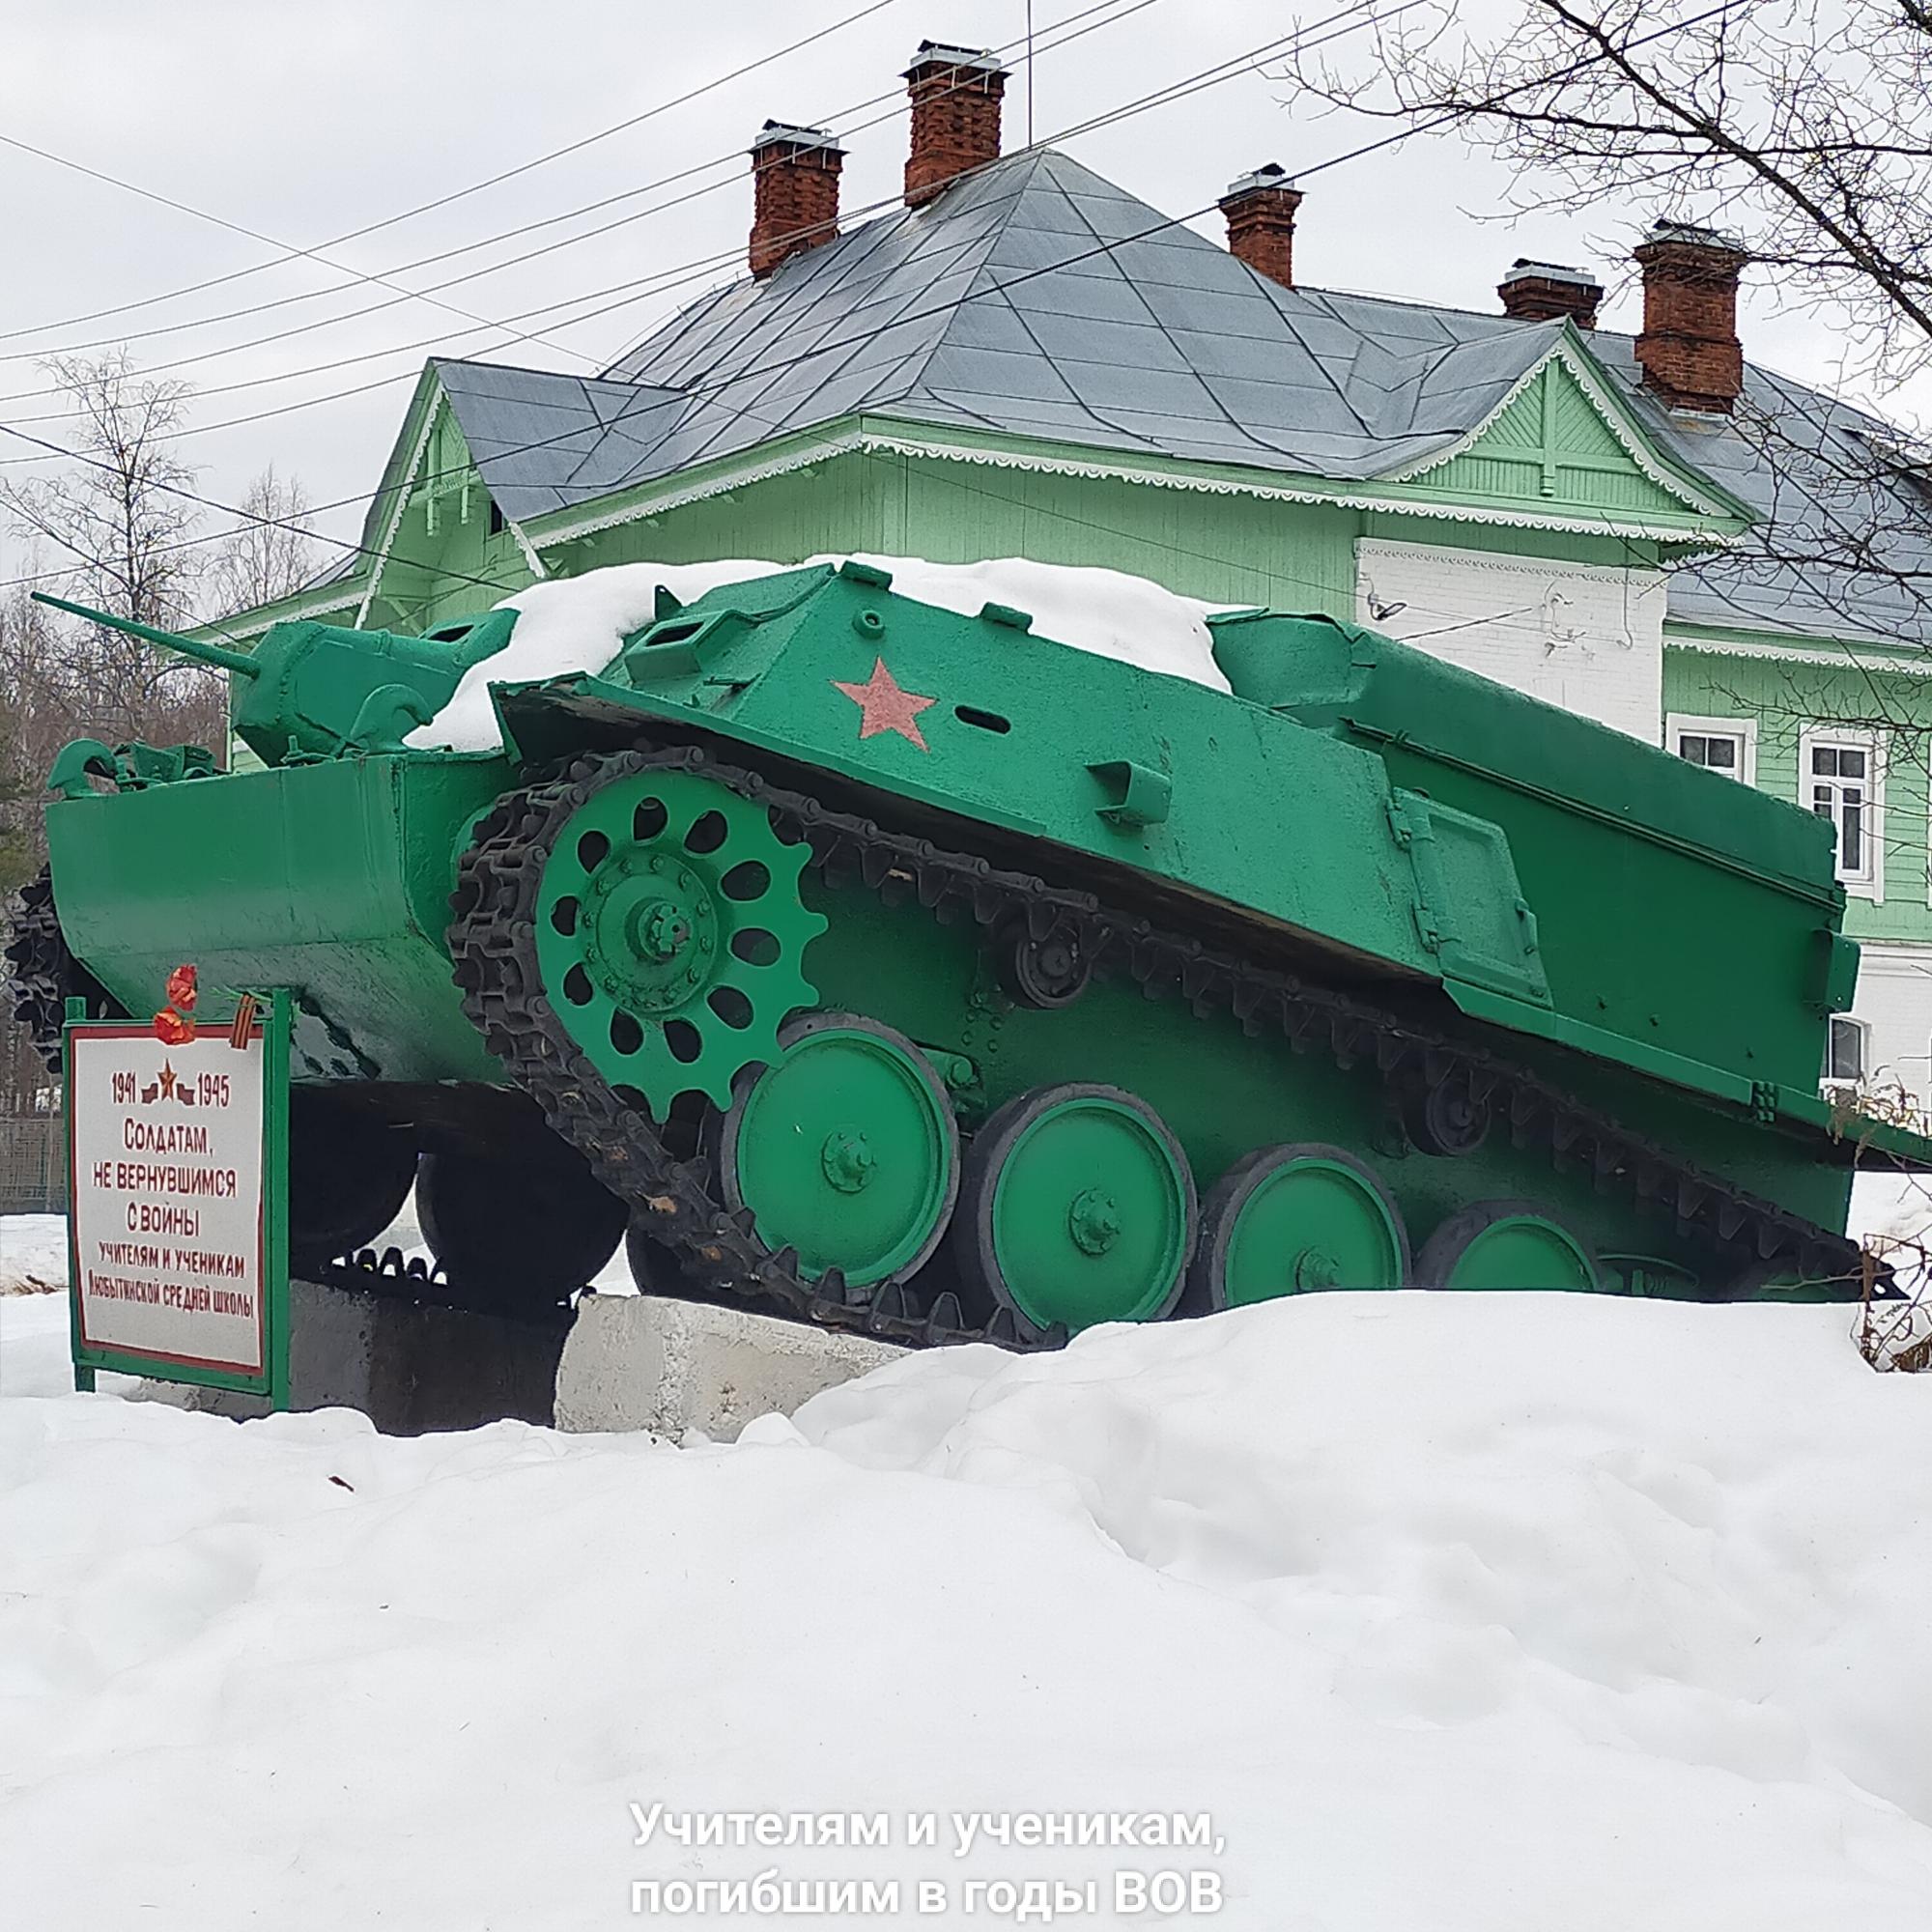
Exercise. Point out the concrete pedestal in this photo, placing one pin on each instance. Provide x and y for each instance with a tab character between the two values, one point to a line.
621	1362
643	1361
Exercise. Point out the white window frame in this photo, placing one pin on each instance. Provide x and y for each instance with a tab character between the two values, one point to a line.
1853	738
1830	1083
1684	724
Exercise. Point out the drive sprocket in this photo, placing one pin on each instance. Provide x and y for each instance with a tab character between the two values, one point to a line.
670	935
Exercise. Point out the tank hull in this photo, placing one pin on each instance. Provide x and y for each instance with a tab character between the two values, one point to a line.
1389	953
330	878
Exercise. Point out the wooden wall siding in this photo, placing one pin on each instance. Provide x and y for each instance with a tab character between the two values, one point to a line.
1235	550
1551	448
1786	699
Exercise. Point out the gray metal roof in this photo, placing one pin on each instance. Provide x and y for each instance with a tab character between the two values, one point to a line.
1841	549
1038	300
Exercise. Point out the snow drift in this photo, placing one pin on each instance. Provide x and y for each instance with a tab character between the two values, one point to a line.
1457	1614
578	623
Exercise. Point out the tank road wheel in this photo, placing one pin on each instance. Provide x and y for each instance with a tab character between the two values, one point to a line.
845	1149
350	1171
1445	1116
515	1234
1076	1207
1506	1244
670	933
1286	1220
1046	973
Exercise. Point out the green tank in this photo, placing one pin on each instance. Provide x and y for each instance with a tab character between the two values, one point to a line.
902	970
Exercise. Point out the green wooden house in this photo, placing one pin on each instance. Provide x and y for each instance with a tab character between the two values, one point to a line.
1025	359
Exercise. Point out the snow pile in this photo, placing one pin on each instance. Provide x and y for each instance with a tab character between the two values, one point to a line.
33	1254
578	623
1457	1613
1892	1212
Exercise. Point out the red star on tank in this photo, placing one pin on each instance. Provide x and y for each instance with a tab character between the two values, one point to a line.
884	707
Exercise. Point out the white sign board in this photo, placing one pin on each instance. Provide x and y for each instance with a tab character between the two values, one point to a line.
169	1257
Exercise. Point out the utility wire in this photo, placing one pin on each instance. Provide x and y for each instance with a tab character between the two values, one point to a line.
658	282
236	228
406	296
1015	281
292	253
661	281
1102	247
688	173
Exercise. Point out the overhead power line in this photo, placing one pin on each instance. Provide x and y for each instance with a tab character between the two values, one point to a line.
1357	13
1272	51
236	228
658	282
1116	9
1101	248
292	253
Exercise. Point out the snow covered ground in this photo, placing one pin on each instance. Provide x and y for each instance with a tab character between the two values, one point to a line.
1456	1613
33	1254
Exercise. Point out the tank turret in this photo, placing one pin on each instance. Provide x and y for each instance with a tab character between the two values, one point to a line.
321	691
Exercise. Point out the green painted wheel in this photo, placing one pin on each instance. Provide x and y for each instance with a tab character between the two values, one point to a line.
844	1148
1507	1244
1286	1220
1076	1208
670	934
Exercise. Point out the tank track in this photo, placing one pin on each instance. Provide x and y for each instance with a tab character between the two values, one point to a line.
492	946
41	974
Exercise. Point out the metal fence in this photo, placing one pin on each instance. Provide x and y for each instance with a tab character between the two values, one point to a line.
33	1164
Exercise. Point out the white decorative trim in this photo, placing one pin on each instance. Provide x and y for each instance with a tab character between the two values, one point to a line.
1500	564
1612	418
1858	738
294	614
1214	486
1680	723
1896	959
1844	659
516	529
869	441
405	488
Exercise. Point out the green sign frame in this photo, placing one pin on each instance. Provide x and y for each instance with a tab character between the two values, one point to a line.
272	1022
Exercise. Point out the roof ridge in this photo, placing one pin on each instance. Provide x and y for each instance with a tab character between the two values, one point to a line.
911	379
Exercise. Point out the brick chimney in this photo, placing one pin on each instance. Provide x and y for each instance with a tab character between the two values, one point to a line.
956	116
1548	292
1260	222
794	192
1690	349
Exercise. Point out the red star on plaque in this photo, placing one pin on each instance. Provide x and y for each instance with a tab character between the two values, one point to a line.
167	1081
884	707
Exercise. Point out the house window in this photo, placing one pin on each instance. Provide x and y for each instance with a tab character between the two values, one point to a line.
1715	753
1845	1050
1726	745
1840	779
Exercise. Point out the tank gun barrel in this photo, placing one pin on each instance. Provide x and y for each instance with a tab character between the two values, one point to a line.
220	656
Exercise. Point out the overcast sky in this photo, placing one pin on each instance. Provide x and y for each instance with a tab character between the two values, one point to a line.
304	124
